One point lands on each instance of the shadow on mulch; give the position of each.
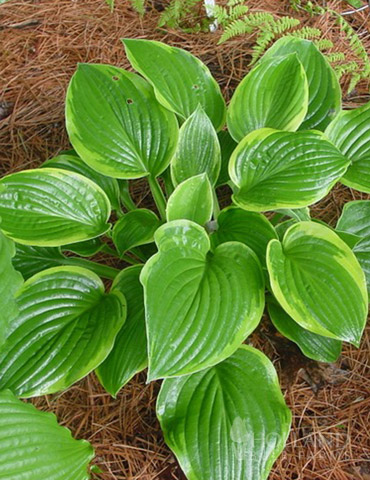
(41, 43)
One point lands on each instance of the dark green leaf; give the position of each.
(34, 447)
(31, 260)
(116, 125)
(318, 281)
(189, 292)
(275, 169)
(180, 80)
(317, 347)
(129, 354)
(355, 220)
(274, 94)
(50, 207)
(135, 228)
(325, 95)
(350, 132)
(228, 145)
(88, 248)
(66, 327)
(73, 163)
(228, 422)
(198, 150)
(250, 228)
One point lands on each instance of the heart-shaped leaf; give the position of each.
(129, 354)
(275, 169)
(10, 282)
(250, 228)
(317, 347)
(74, 163)
(191, 200)
(229, 421)
(228, 145)
(181, 81)
(33, 446)
(318, 281)
(189, 295)
(50, 207)
(325, 95)
(139, 135)
(135, 228)
(65, 328)
(88, 248)
(355, 219)
(198, 150)
(350, 132)
(274, 94)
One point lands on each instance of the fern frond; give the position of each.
(139, 6)
(237, 12)
(283, 24)
(323, 44)
(335, 57)
(236, 28)
(233, 3)
(306, 33)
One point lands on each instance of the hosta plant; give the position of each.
(197, 280)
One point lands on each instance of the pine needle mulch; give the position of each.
(41, 41)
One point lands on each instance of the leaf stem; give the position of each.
(126, 199)
(102, 270)
(158, 196)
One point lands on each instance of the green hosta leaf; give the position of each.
(229, 421)
(350, 132)
(116, 125)
(198, 150)
(325, 95)
(274, 94)
(66, 327)
(73, 163)
(129, 354)
(34, 447)
(228, 145)
(355, 219)
(191, 200)
(189, 292)
(135, 228)
(318, 281)
(10, 282)
(30, 260)
(275, 169)
(317, 347)
(50, 207)
(181, 81)
(299, 214)
(250, 228)
(282, 227)
(88, 248)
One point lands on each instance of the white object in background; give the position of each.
(209, 5)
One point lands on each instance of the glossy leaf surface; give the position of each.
(350, 132)
(180, 80)
(318, 281)
(198, 150)
(88, 248)
(355, 219)
(189, 293)
(250, 228)
(30, 260)
(50, 207)
(317, 347)
(226, 422)
(10, 282)
(33, 446)
(129, 354)
(135, 228)
(323, 86)
(228, 145)
(191, 200)
(66, 327)
(274, 94)
(74, 163)
(275, 169)
(139, 135)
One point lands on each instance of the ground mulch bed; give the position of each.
(41, 41)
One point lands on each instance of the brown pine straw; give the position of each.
(41, 42)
